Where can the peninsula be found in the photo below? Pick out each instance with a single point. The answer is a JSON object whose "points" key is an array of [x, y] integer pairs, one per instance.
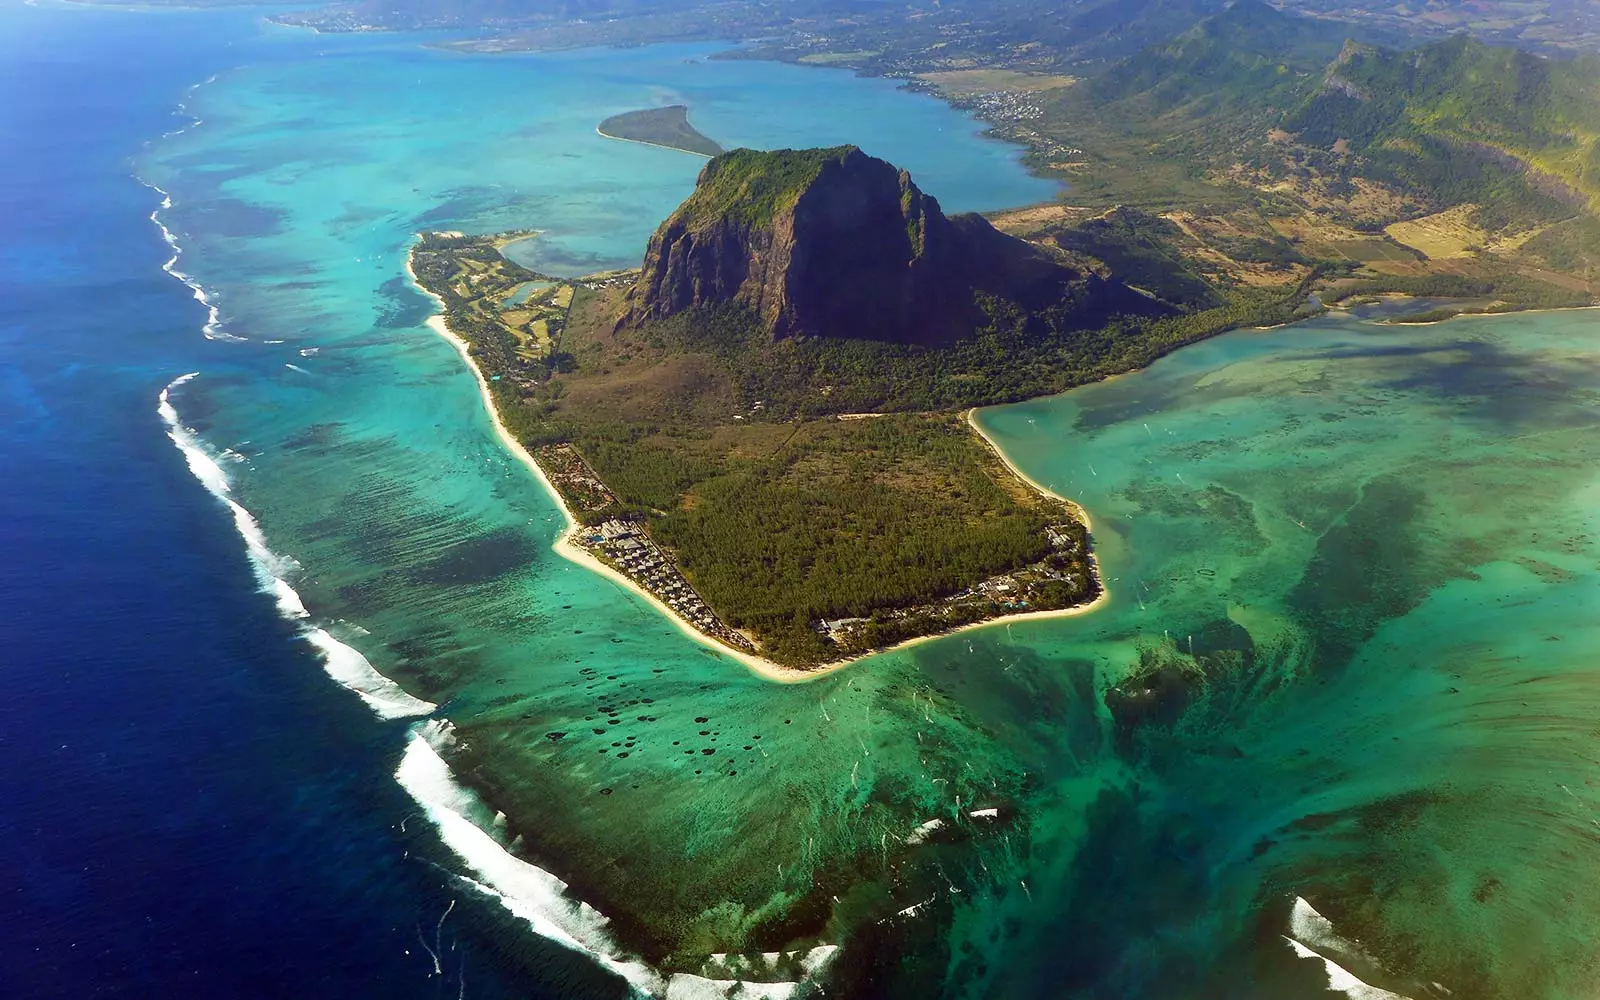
{"points": [[668, 126], [762, 423], [719, 430]]}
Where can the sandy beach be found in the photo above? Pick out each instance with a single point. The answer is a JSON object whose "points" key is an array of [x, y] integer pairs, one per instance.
{"points": [[571, 551], [646, 142], [1077, 508]]}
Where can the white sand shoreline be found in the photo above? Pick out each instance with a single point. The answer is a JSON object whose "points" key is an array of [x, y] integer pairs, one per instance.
{"points": [[1484, 314], [565, 547], [647, 142], [1344, 305]]}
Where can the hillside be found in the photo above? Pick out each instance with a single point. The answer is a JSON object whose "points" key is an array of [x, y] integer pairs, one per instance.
{"points": [[808, 323], [1470, 122], [1444, 124], [1248, 55], [1259, 147], [763, 428], [804, 540], [835, 243]]}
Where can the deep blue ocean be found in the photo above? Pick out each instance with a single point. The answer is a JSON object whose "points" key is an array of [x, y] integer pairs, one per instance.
{"points": [[187, 811]]}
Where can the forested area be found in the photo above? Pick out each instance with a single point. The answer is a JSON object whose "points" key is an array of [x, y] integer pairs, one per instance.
{"points": [[793, 515], [852, 517], [1510, 290], [1463, 122], [1013, 357], [790, 518]]}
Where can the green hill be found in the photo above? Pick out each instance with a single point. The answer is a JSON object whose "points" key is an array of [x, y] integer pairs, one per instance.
{"points": [[1449, 123], [754, 185], [1499, 127], [1250, 55]]}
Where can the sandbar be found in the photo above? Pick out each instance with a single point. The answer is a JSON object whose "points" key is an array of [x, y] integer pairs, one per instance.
{"points": [[647, 142]]}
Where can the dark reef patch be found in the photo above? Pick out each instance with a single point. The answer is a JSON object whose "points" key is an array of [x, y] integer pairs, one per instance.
{"points": [[478, 559]]}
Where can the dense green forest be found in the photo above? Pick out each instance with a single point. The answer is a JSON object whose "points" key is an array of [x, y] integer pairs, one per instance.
{"points": [[851, 518], [1250, 55]]}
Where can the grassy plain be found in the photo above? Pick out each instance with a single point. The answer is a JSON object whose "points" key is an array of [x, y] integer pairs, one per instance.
{"points": [[972, 82]]}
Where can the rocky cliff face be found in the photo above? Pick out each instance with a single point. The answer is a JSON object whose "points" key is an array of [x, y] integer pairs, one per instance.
{"points": [[836, 243]]}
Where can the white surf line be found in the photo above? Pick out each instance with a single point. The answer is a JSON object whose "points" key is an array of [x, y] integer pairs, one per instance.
{"points": [[213, 326], [529, 892], [1310, 931], [341, 662], [541, 898]]}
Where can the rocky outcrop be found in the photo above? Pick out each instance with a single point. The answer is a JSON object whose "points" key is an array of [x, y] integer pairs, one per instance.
{"points": [[836, 243]]}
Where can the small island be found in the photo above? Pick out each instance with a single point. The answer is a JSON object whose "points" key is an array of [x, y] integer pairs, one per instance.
{"points": [[668, 126]]}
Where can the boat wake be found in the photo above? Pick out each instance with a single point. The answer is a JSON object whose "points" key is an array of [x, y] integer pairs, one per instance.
{"points": [[272, 570]]}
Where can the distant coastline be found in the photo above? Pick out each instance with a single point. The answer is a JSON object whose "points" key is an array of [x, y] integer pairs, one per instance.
{"points": [[565, 547]]}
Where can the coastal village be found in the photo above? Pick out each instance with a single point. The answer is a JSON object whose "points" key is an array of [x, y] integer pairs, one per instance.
{"points": [[625, 545], [1005, 594], [629, 547], [514, 318]]}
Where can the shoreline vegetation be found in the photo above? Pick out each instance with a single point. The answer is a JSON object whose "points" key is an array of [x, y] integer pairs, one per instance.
{"points": [[667, 127], [569, 546], [1237, 150]]}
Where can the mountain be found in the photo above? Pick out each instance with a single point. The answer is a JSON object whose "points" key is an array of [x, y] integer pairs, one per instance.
{"points": [[1474, 122], [1249, 54], [834, 243], [1109, 29]]}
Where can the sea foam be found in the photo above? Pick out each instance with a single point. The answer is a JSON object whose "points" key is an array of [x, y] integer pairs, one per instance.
{"points": [[529, 892], [1312, 935], [347, 666], [344, 664], [213, 326], [464, 822]]}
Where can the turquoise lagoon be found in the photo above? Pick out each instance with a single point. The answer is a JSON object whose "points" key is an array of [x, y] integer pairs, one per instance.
{"points": [[1353, 565]]}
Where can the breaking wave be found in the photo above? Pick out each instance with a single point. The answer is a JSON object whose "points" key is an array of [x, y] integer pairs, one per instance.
{"points": [[1311, 935], [344, 664], [213, 326], [529, 892], [534, 895]]}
